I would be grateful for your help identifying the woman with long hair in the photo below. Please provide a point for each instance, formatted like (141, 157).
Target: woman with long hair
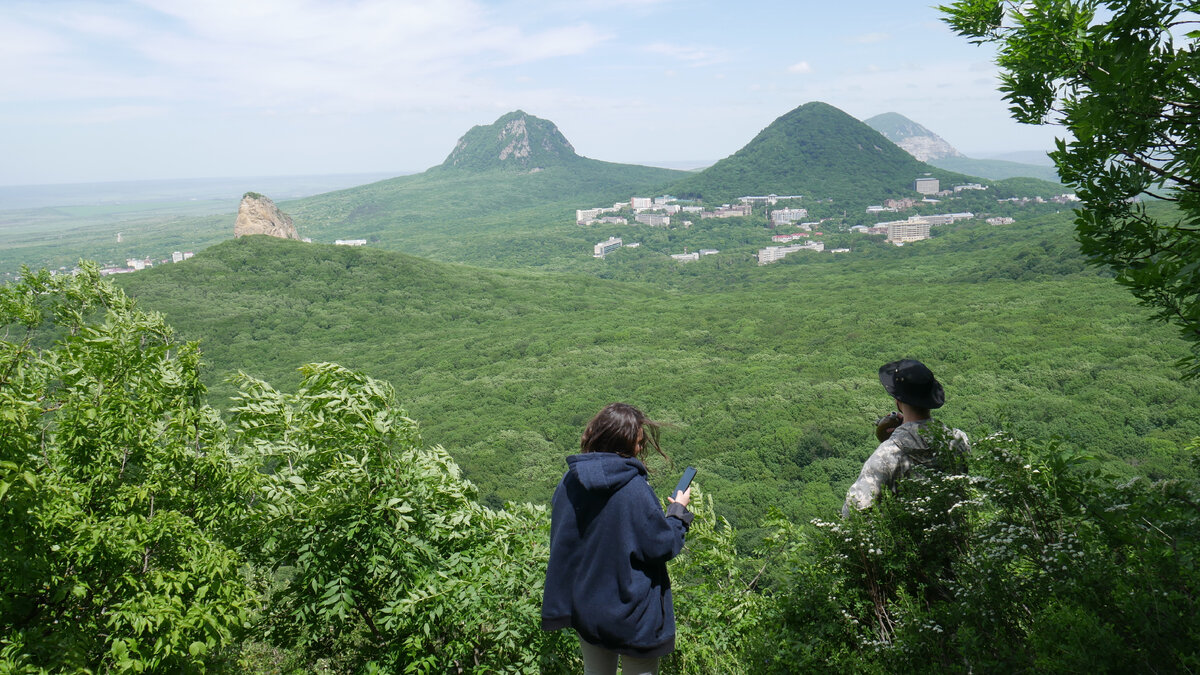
(609, 546)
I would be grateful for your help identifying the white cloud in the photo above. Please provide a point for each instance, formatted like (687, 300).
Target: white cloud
(801, 67)
(363, 55)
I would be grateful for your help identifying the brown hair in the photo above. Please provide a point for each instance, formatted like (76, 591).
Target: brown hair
(615, 429)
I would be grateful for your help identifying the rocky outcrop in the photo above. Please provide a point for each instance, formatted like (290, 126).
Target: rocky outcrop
(926, 148)
(257, 214)
(517, 141)
(914, 138)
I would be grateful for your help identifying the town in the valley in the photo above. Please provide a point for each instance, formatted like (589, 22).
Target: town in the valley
(787, 223)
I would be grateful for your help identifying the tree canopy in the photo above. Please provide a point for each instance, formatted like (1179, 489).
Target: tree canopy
(1123, 79)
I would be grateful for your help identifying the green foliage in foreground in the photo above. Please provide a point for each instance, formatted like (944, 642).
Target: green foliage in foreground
(119, 502)
(1033, 560)
(318, 534)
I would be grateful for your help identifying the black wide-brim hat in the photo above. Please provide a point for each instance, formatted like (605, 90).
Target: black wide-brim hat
(909, 381)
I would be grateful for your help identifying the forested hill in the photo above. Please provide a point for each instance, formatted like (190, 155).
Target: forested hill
(511, 181)
(517, 141)
(772, 401)
(819, 151)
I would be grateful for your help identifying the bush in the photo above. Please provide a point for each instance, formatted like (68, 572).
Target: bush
(1034, 560)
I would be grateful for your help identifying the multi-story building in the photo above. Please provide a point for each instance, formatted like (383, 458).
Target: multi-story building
(654, 219)
(901, 231)
(686, 257)
(927, 186)
(1000, 220)
(641, 203)
(584, 215)
(941, 218)
(766, 199)
(350, 242)
(727, 211)
(969, 186)
(605, 247)
(897, 204)
(788, 216)
(771, 254)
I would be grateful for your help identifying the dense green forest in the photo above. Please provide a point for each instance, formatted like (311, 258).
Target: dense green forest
(766, 373)
(311, 528)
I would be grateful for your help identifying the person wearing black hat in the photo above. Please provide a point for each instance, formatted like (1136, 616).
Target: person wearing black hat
(916, 392)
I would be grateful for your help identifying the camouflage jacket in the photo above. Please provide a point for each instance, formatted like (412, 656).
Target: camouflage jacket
(895, 457)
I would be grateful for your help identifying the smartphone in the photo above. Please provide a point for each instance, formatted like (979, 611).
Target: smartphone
(688, 474)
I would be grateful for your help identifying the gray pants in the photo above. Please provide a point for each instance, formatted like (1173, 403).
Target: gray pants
(600, 661)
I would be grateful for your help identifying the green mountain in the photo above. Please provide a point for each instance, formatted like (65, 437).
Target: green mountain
(817, 151)
(506, 195)
(516, 141)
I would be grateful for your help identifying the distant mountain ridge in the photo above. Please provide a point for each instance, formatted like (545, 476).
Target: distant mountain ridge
(927, 146)
(916, 139)
(815, 150)
(516, 141)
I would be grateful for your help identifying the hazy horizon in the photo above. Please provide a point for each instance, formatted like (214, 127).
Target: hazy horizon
(149, 89)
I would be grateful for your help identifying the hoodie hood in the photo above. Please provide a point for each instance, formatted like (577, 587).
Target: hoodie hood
(604, 471)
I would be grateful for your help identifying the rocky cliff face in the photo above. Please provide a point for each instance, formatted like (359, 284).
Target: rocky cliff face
(914, 138)
(257, 214)
(517, 141)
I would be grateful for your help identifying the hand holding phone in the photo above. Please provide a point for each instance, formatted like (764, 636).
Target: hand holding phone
(682, 494)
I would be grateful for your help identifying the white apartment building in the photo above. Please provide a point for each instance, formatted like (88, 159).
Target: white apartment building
(686, 257)
(584, 215)
(788, 216)
(605, 247)
(901, 231)
(654, 219)
(350, 242)
(771, 254)
(641, 203)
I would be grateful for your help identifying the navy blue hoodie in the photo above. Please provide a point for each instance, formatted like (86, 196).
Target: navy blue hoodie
(609, 547)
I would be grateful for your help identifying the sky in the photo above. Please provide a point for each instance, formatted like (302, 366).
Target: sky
(166, 89)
